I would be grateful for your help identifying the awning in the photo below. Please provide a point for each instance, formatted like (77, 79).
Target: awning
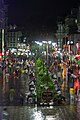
(77, 56)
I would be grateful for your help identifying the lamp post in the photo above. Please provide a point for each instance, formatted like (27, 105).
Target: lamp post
(47, 49)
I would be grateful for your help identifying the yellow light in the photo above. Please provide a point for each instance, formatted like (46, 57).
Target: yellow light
(76, 21)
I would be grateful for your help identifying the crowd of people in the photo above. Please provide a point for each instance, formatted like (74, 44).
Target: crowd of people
(65, 75)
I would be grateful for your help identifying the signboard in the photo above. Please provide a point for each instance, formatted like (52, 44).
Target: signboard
(47, 95)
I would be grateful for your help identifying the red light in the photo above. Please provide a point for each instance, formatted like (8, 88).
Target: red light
(0, 54)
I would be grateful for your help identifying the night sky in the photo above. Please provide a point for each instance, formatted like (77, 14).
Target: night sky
(39, 12)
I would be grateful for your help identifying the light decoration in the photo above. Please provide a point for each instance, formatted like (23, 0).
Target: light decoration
(0, 55)
(77, 45)
(53, 44)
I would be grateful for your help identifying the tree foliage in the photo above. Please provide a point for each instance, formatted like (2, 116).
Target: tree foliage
(44, 81)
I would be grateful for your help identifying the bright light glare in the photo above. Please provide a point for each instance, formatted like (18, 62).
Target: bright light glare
(44, 52)
(33, 54)
(18, 53)
(30, 53)
(13, 50)
(38, 116)
(50, 118)
(71, 42)
(68, 42)
(40, 44)
(44, 41)
(37, 42)
(49, 42)
(14, 53)
(53, 44)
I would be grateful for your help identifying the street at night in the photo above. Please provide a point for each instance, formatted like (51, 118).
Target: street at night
(40, 113)
(39, 60)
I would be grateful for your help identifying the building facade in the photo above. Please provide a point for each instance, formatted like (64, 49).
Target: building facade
(68, 34)
(2, 26)
(13, 37)
(71, 29)
(2, 14)
(60, 34)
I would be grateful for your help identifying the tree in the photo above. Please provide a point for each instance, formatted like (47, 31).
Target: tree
(43, 80)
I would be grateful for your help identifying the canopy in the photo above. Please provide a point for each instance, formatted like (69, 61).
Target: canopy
(77, 56)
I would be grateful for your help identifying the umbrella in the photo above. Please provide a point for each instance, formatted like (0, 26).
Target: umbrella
(77, 56)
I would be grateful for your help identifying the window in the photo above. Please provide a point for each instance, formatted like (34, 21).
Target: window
(11, 45)
(14, 39)
(11, 34)
(14, 33)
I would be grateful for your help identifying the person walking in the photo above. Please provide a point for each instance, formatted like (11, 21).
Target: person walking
(21, 99)
(11, 95)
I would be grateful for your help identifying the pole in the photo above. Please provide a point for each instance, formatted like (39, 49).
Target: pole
(47, 60)
(47, 54)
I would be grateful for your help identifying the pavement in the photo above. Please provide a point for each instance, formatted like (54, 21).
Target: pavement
(69, 112)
